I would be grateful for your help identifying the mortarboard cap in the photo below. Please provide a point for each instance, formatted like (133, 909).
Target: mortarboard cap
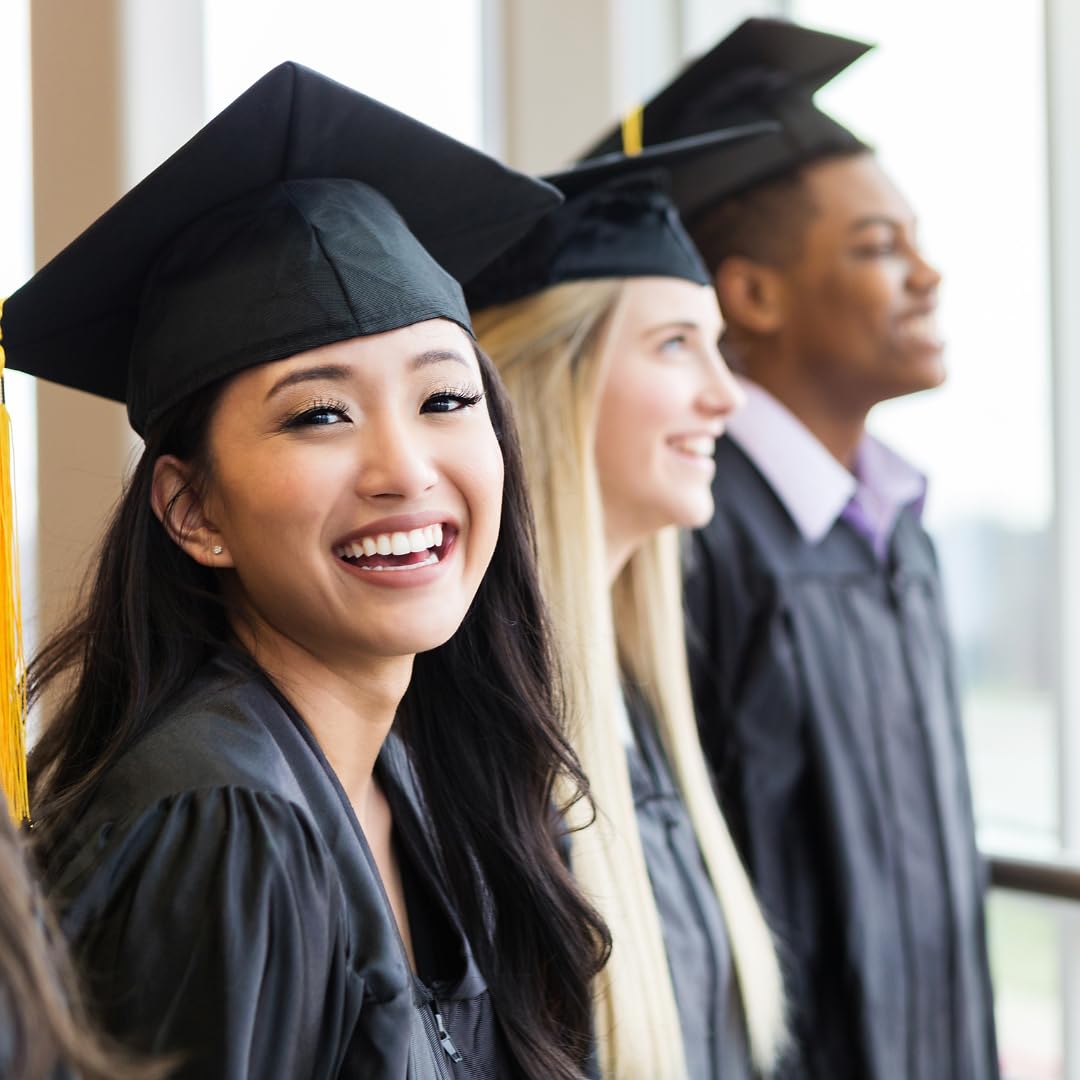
(618, 221)
(303, 214)
(766, 69)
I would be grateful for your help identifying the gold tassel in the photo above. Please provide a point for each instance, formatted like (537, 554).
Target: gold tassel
(12, 666)
(633, 131)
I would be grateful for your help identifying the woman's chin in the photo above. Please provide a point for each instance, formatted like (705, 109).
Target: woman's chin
(408, 641)
(694, 513)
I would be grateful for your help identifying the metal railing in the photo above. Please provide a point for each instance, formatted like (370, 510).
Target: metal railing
(1041, 877)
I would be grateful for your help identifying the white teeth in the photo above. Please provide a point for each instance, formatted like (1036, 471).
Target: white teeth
(398, 543)
(701, 445)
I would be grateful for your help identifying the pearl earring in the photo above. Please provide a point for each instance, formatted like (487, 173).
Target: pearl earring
(217, 549)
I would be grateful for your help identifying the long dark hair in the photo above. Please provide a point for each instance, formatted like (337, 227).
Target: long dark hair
(45, 1029)
(481, 718)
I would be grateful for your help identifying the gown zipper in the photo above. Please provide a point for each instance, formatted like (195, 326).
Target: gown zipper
(444, 1036)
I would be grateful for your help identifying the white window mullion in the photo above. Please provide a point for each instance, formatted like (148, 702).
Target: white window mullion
(1063, 106)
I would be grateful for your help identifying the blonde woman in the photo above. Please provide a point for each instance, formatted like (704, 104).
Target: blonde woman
(604, 327)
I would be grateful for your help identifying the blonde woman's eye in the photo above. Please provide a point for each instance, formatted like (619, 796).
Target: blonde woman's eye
(674, 344)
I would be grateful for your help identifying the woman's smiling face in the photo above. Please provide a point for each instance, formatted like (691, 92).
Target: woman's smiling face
(663, 397)
(355, 491)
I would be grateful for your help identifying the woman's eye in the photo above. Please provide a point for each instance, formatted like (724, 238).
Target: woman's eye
(320, 414)
(674, 344)
(444, 401)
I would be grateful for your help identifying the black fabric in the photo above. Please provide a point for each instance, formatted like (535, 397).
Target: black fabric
(223, 904)
(617, 221)
(221, 259)
(695, 935)
(294, 266)
(628, 228)
(828, 708)
(766, 70)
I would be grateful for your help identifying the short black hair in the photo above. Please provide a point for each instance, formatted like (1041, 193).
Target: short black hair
(765, 222)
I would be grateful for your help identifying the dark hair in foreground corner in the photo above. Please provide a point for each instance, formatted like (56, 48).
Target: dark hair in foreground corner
(45, 1030)
(480, 717)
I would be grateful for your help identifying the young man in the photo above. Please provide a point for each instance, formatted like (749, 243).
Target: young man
(824, 682)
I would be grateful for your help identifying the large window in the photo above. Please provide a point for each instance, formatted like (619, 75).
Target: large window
(423, 56)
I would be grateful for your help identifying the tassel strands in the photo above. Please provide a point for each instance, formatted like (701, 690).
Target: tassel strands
(12, 664)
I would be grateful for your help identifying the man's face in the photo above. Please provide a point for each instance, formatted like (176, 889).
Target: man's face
(861, 299)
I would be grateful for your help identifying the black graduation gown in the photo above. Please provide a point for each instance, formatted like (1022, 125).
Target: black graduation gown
(223, 904)
(828, 708)
(695, 935)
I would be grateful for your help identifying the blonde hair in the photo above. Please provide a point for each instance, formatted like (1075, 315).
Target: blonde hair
(550, 349)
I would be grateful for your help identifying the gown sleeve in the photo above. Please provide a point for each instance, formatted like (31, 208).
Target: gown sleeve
(213, 929)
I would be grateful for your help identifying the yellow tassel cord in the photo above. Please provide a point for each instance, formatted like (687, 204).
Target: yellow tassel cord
(632, 131)
(12, 666)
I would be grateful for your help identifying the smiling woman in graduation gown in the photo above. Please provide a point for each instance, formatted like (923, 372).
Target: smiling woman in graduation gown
(604, 326)
(281, 843)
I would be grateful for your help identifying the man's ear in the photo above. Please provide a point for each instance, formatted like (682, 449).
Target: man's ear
(178, 507)
(752, 295)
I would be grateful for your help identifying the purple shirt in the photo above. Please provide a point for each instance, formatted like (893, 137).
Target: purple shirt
(814, 488)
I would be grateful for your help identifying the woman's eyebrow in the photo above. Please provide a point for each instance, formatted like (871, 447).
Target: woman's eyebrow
(673, 324)
(325, 372)
(339, 373)
(437, 356)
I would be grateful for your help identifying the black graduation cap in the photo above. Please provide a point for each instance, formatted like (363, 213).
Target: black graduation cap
(766, 69)
(618, 221)
(303, 214)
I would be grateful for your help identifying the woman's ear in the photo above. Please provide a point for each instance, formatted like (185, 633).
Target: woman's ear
(752, 295)
(179, 508)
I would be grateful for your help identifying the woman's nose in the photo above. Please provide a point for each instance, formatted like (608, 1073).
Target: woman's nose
(396, 461)
(722, 394)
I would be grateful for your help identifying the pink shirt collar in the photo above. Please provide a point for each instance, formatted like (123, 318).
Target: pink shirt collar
(814, 488)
